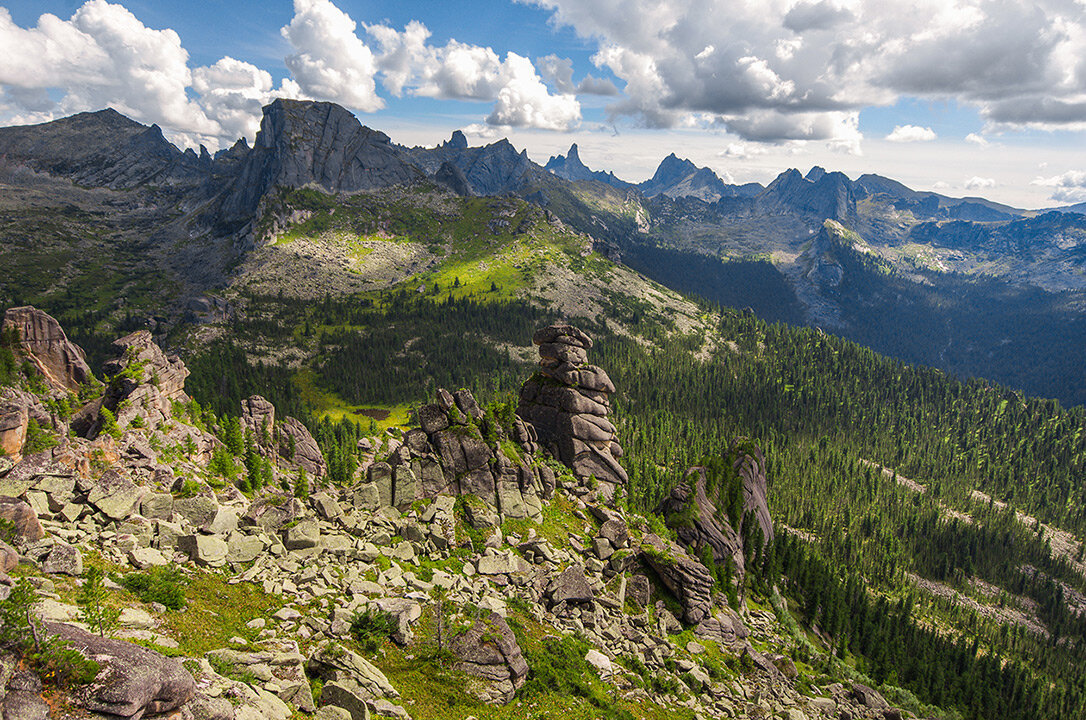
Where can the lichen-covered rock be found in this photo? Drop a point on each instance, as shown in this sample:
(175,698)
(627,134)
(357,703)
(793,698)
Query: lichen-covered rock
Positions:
(61,362)
(687,579)
(489,651)
(133,681)
(64,559)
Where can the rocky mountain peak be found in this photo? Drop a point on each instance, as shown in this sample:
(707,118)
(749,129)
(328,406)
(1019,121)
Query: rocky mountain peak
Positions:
(828,195)
(458,141)
(313,143)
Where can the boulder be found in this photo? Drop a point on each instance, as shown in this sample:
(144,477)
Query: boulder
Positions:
(298,448)
(571,586)
(204,549)
(869,697)
(489,651)
(63,559)
(271,512)
(115,495)
(61,362)
(687,579)
(9,558)
(23,517)
(133,681)
(304,535)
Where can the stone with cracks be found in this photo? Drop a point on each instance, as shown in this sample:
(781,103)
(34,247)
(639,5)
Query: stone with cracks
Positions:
(133,681)
(566,405)
(489,651)
(61,362)
(687,579)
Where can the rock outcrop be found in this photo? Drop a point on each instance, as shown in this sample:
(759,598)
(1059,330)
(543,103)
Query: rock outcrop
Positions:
(144,382)
(133,681)
(687,579)
(42,341)
(489,651)
(567,403)
(458,451)
(712,506)
(13,424)
(304,143)
(288,442)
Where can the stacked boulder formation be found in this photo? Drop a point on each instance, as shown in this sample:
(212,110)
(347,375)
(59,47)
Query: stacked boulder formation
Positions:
(567,403)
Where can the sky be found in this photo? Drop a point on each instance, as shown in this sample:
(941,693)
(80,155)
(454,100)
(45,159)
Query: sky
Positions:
(965,97)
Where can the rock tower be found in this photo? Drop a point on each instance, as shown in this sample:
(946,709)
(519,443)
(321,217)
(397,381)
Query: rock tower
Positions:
(567,402)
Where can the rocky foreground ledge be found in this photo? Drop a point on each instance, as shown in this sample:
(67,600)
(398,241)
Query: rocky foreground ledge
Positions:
(497,535)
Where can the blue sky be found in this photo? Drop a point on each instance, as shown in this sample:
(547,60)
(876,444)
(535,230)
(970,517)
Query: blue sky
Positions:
(984,97)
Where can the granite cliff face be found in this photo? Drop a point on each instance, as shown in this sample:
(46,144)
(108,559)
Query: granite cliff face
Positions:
(302,143)
(102,149)
(61,363)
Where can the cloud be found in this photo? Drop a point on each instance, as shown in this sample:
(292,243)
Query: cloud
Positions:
(978,140)
(911,134)
(461,71)
(1069,187)
(233,92)
(1019,63)
(979,183)
(742,151)
(329,61)
(525,102)
(101,56)
(558,72)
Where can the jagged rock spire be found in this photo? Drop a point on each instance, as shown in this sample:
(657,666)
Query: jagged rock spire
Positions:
(567,402)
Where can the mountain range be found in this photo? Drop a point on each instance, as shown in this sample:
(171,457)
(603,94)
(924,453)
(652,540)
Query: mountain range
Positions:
(965,284)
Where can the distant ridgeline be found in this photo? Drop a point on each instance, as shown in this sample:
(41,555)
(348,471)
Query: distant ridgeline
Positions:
(964,284)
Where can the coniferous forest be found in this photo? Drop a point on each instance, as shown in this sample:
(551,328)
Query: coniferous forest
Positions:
(873,464)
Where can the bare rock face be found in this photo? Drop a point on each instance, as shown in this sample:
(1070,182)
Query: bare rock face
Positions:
(133,681)
(450,455)
(567,404)
(686,578)
(61,362)
(301,143)
(298,448)
(13,423)
(489,651)
(698,507)
(258,418)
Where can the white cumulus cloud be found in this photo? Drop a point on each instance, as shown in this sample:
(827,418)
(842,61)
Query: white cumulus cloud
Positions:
(1019,62)
(979,183)
(910,134)
(103,55)
(1068,187)
(329,61)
